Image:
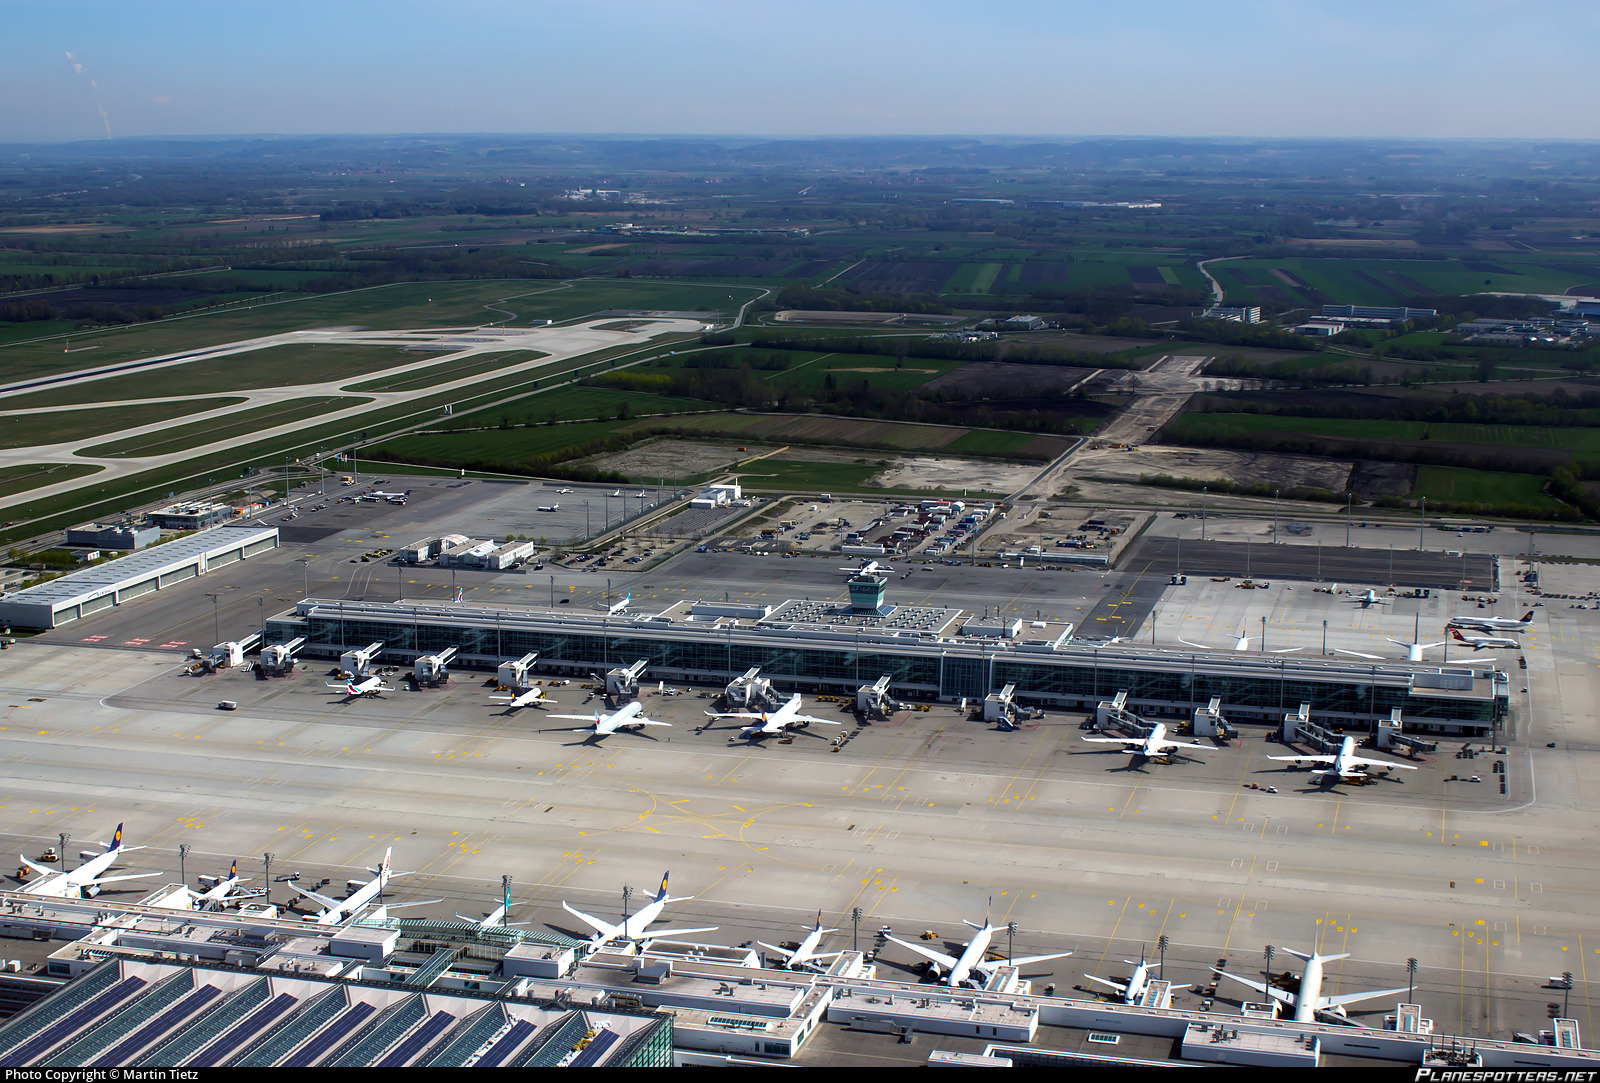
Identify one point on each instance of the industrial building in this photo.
(88, 591)
(927, 652)
(1378, 312)
(195, 515)
(1233, 313)
(114, 535)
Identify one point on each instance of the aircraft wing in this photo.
(1358, 654)
(1202, 646)
(1305, 759)
(1188, 744)
(1029, 960)
(1276, 994)
(1291, 650)
(1117, 985)
(1357, 761)
(1355, 998)
(733, 714)
(579, 717)
(658, 934)
(1124, 741)
(641, 720)
(40, 869)
(322, 900)
(946, 961)
(596, 924)
(114, 879)
(813, 718)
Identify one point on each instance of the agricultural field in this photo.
(1462, 486)
(240, 423)
(1316, 281)
(60, 426)
(856, 432)
(499, 447)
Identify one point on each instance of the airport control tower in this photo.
(866, 590)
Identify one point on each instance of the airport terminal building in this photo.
(927, 653)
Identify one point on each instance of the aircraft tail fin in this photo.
(1527, 617)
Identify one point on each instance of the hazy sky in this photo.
(1427, 68)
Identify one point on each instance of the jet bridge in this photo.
(358, 663)
(1391, 738)
(1298, 727)
(999, 707)
(873, 699)
(278, 658)
(515, 674)
(433, 668)
(623, 683)
(231, 653)
(1114, 712)
(1208, 720)
(750, 690)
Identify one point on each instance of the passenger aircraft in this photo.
(84, 881)
(868, 567)
(1137, 982)
(620, 607)
(1478, 643)
(372, 686)
(1370, 599)
(1413, 650)
(215, 896)
(773, 722)
(1157, 746)
(1495, 624)
(1345, 766)
(531, 697)
(1309, 1002)
(549, 507)
(337, 911)
(959, 972)
(628, 716)
(806, 956)
(1242, 643)
(635, 925)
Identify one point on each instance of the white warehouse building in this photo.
(84, 593)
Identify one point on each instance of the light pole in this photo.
(183, 852)
(1411, 973)
(1347, 498)
(1011, 935)
(855, 934)
(1268, 953)
(1161, 946)
(305, 577)
(1324, 638)
(1274, 517)
(1566, 992)
(587, 533)
(266, 877)
(1422, 525)
(1203, 491)
(64, 837)
(627, 893)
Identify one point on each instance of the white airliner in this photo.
(635, 925)
(84, 881)
(868, 567)
(372, 686)
(530, 697)
(1157, 746)
(1136, 984)
(215, 896)
(1242, 643)
(1413, 648)
(628, 716)
(771, 722)
(563, 491)
(1370, 599)
(1479, 643)
(617, 493)
(337, 911)
(806, 956)
(1345, 766)
(1309, 1002)
(549, 507)
(620, 607)
(1495, 624)
(958, 972)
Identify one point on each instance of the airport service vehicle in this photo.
(549, 507)
(1495, 624)
(84, 881)
(1479, 643)
(1157, 746)
(372, 686)
(772, 722)
(1309, 1003)
(630, 716)
(805, 956)
(1344, 766)
(636, 926)
(973, 969)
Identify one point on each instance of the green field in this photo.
(1391, 281)
(59, 426)
(1482, 487)
(501, 446)
(992, 442)
(1194, 425)
(447, 372)
(578, 404)
(19, 479)
(227, 426)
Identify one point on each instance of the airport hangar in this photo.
(925, 652)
